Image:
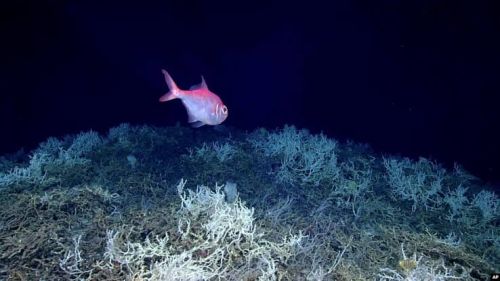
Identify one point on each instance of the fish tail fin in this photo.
(173, 89)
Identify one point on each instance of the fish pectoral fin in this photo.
(197, 124)
(191, 117)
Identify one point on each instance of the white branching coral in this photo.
(222, 238)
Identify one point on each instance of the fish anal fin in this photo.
(197, 124)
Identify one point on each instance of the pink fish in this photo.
(203, 107)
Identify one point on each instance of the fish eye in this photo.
(224, 109)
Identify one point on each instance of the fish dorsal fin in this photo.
(202, 85)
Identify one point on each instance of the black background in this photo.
(419, 78)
